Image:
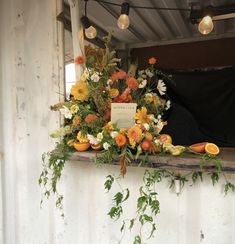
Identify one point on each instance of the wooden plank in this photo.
(185, 162)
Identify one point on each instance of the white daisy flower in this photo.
(143, 84)
(95, 77)
(161, 87)
(106, 145)
(66, 112)
(113, 134)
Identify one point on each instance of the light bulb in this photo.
(206, 25)
(123, 21)
(90, 32)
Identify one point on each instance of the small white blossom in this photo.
(92, 140)
(143, 84)
(66, 112)
(106, 145)
(161, 87)
(99, 137)
(155, 120)
(157, 142)
(95, 77)
(74, 108)
(113, 134)
(148, 95)
(159, 116)
(146, 126)
(168, 104)
(160, 126)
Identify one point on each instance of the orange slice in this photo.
(198, 147)
(212, 149)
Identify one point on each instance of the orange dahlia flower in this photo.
(120, 139)
(113, 92)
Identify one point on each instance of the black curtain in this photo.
(203, 107)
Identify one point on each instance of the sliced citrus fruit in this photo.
(165, 138)
(177, 150)
(198, 147)
(81, 146)
(212, 149)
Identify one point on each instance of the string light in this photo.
(206, 25)
(123, 21)
(90, 31)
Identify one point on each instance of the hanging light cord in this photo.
(141, 7)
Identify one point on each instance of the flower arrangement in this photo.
(88, 125)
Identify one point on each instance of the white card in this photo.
(123, 114)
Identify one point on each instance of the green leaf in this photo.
(123, 226)
(141, 202)
(109, 182)
(132, 221)
(229, 187)
(118, 198)
(214, 178)
(137, 240)
(152, 230)
(127, 195)
(115, 212)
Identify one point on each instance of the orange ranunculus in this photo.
(152, 61)
(120, 139)
(134, 134)
(90, 118)
(142, 117)
(121, 74)
(79, 60)
(113, 92)
(132, 83)
(124, 97)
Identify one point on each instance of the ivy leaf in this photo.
(118, 198)
(109, 182)
(132, 221)
(141, 202)
(123, 226)
(115, 212)
(196, 176)
(127, 195)
(145, 218)
(214, 178)
(229, 187)
(137, 240)
(152, 230)
(155, 207)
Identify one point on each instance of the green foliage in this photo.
(53, 164)
(109, 182)
(229, 187)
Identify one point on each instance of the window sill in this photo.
(186, 162)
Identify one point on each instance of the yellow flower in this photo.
(148, 98)
(74, 108)
(81, 138)
(156, 100)
(113, 93)
(80, 91)
(142, 117)
(109, 126)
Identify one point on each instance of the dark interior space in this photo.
(202, 91)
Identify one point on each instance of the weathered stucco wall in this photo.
(30, 80)
(30, 76)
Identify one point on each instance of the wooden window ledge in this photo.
(185, 162)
